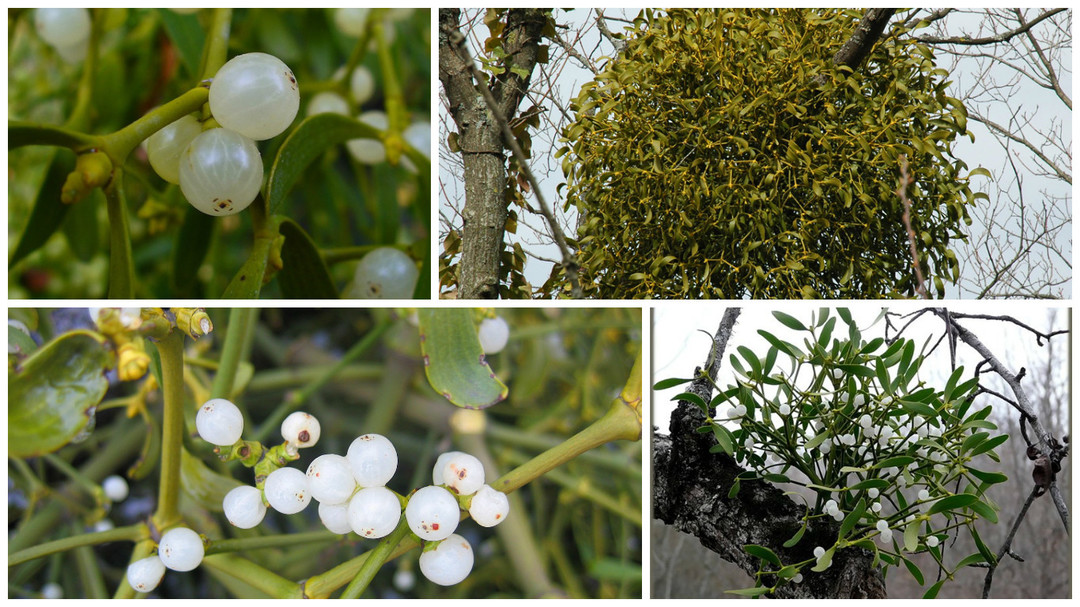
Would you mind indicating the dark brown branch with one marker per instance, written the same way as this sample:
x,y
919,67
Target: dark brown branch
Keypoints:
x,y
865,37
1007,546
996,38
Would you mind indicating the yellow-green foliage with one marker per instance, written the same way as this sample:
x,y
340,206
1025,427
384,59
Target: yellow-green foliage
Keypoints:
x,y
723,154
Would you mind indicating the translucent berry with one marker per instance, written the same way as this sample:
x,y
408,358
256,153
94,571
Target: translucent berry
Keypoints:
x,y
463,473
932,541
286,490
432,513
61,27
494,333
244,507
384,273
145,574
221,172
219,422
181,549
351,20
440,463
52,591
327,102
330,478
373,460
418,134
165,147
361,85
374,512
404,579
115,487
489,507
335,517
256,95
370,151
448,563
301,429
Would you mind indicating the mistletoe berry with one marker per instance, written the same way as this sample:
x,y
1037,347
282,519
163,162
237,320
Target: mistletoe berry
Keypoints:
x,y
494,333
219,422
448,563
145,574
301,429
335,517
489,507
385,273
166,147
115,488
432,513
374,512
181,549
244,507
287,491
330,478
221,172
463,473
256,95
373,460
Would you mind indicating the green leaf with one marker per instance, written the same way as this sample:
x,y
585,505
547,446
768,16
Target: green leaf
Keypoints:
x,y
780,345
788,572
795,538
870,483
979,171
751,358
187,35
962,390
789,321
48,211
150,454
723,439
918,408
900,461
734,486
950,384
989,444
825,560
984,510
852,518
247,282
615,570
664,384
970,559
990,478
28,133
983,549
973,441
694,399
205,486
454,360
762,553
309,140
932,592
814,442
53,394
303,274
757,591
914,570
773,477
911,538
81,228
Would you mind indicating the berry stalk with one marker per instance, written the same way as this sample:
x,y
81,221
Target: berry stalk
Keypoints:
x,y
171,348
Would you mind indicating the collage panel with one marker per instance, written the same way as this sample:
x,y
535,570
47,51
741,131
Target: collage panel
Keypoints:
x,y
219,153
314,453
861,452
757,153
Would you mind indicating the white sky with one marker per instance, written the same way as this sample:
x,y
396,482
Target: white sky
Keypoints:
x,y
984,152
678,347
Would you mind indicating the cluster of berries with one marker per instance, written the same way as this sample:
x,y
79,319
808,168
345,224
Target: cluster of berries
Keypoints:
x,y
253,97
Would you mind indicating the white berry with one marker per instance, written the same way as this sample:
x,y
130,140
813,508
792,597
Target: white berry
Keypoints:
x,y
819,552
440,463
286,490
256,95
219,422
62,26
115,487
448,563
374,512
463,473
301,429
181,549
418,135
330,478
335,517
361,85
373,460
327,102
52,591
882,526
145,574
351,20
931,541
221,172
489,507
370,151
244,507
494,333
924,495
384,273
432,513
165,147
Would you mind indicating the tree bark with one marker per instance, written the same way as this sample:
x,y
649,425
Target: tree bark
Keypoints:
x,y
865,37
481,144
690,492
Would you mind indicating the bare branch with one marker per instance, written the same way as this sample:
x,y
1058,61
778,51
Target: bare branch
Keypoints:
x,y
995,39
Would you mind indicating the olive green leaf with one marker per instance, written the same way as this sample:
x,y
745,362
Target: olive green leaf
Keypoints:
x,y
454,361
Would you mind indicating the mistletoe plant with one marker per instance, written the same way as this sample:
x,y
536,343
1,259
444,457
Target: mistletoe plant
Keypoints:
x,y
239,113
884,453
222,483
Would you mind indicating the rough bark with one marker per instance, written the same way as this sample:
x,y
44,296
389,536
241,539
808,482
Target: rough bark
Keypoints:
x,y
690,492
865,37
480,140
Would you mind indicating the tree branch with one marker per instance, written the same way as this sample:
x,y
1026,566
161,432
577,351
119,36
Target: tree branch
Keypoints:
x,y
863,39
996,38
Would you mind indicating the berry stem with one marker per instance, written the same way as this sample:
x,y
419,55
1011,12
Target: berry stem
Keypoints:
x,y
375,560
230,568
130,533
121,264
171,349
215,53
119,144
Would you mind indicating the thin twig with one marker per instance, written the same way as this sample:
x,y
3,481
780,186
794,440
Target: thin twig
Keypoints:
x,y
905,180
1006,547
569,264
996,38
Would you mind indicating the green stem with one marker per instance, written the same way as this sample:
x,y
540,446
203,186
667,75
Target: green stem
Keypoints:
x,y
121,265
254,575
232,352
130,533
284,379
270,541
340,254
80,113
397,378
119,145
298,398
171,348
142,550
216,50
87,485
90,573
375,560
